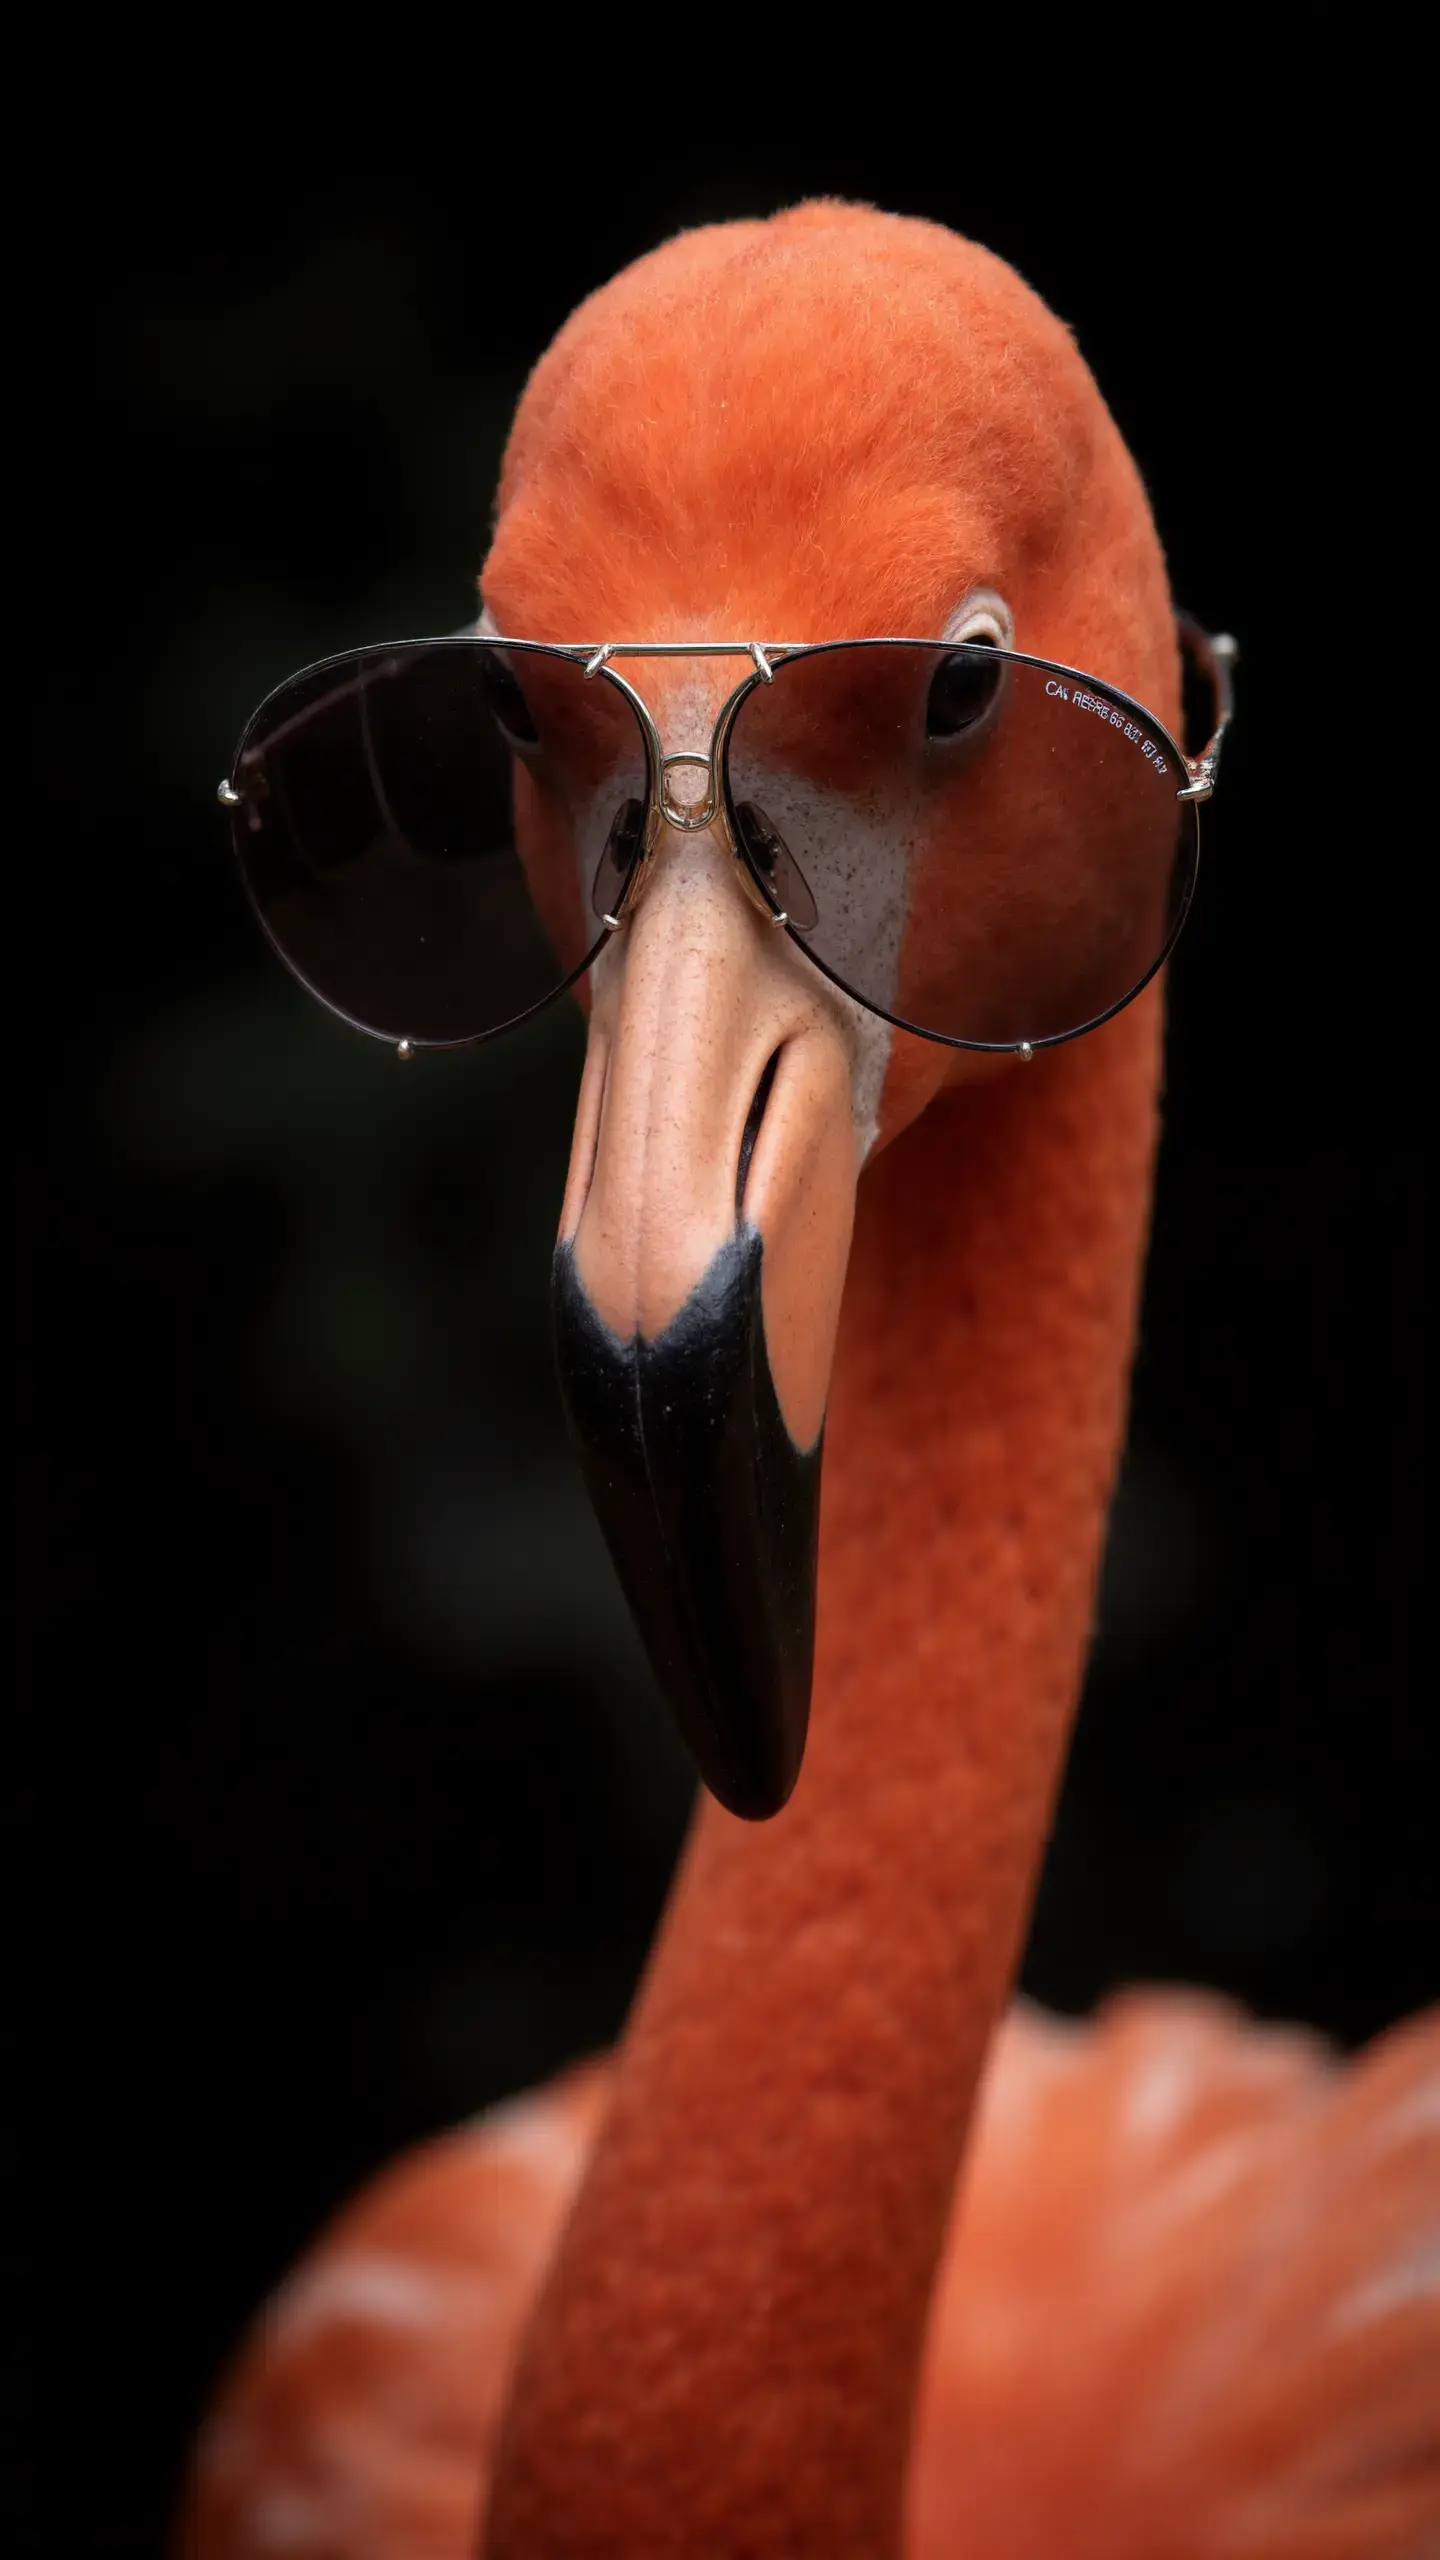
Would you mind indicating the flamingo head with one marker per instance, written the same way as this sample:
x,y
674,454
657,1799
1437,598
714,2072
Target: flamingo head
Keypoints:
x,y
836,424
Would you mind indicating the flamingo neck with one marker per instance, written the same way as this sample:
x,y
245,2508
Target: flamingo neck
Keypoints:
x,y
725,2358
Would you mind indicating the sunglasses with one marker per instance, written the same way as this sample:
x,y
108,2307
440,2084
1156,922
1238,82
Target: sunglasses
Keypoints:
x,y
989,849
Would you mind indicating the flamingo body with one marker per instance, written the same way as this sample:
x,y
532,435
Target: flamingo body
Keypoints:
x,y
1181,2313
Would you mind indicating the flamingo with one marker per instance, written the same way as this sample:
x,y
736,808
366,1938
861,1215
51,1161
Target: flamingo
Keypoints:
x,y
842,2255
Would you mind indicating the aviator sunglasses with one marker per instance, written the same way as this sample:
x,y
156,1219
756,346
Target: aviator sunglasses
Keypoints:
x,y
992,850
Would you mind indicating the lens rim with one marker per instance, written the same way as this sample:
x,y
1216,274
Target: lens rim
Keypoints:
x,y
1188,850
399,649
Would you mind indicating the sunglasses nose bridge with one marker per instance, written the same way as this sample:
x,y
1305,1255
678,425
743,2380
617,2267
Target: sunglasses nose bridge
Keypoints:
x,y
690,816
691,819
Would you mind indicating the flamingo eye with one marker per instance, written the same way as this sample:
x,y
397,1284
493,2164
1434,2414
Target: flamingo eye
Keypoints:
x,y
507,703
962,690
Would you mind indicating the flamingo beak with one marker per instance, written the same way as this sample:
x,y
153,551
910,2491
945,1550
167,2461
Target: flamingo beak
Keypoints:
x,y
698,1279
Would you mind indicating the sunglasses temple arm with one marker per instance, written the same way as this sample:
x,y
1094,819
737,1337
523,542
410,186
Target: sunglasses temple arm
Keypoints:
x,y
1216,653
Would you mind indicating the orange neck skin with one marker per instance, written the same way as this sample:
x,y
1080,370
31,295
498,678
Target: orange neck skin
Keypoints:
x,y
726,2355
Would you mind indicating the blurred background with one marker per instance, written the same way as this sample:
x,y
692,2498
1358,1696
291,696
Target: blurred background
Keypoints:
x,y
344,1804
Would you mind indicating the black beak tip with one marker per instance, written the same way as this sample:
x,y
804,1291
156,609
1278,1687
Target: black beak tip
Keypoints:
x,y
751,1762
711,1514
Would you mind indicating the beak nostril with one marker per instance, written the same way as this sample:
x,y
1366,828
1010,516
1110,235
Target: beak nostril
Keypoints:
x,y
752,1131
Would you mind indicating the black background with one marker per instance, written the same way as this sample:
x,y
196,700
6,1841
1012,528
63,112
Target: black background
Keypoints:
x,y
350,1807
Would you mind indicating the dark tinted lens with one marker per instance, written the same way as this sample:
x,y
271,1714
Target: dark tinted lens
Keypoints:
x,y
984,849
420,828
